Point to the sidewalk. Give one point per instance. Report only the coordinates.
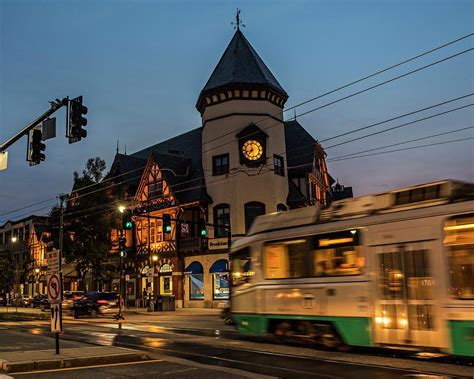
(20, 352)
(178, 312)
(21, 361)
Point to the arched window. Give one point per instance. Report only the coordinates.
(252, 210)
(281, 208)
(220, 279)
(196, 280)
(221, 217)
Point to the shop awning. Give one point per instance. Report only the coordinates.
(220, 266)
(194, 268)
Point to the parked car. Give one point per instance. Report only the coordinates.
(3, 298)
(96, 303)
(36, 300)
(22, 301)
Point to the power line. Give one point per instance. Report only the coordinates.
(404, 149)
(401, 143)
(352, 95)
(401, 126)
(354, 82)
(310, 100)
(395, 118)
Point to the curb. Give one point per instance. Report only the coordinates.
(48, 364)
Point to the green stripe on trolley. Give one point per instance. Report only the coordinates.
(355, 331)
(462, 337)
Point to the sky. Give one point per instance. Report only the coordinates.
(140, 66)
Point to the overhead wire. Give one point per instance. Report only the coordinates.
(313, 99)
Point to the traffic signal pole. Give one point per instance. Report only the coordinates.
(55, 105)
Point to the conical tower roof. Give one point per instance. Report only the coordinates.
(240, 66)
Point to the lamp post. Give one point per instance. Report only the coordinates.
(154, 259)
(37, 271)
(119, 316)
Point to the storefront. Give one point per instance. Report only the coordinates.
(206, 281)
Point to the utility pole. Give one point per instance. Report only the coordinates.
(62, 198)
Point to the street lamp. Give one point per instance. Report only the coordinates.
(119, 316)
(14, 239)
(154, 259)
(37, 271)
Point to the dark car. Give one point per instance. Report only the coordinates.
(22, 301)
(36, 300)
(3, 298)
(96, 303)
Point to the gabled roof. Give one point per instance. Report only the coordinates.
(240, 64)
(179, 159)
(299, 148)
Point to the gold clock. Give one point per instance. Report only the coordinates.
(252, 150)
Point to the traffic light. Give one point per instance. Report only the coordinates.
(166, 223)
(76, 120)
(122, 243)
(202, 227)
(127, 222)
(36, 147)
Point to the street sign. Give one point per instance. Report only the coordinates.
(54, 288)
(56, 318)
(53, 261)
(49, 128)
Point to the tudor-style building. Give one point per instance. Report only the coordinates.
(244, 161)
(23, 243)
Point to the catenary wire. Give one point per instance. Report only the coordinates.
(315, 98)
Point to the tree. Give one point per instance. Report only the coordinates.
(89, 217)
(7, 273)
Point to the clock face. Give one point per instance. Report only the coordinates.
(252, 150)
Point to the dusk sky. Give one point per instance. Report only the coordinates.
(140, 66)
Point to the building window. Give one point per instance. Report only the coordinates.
(155, 189)
(220, 279)
(252, 210)
(221, 217)
(195, 273)
(166, 280)
(220, 164)
(281, 208)
(278, 165)
(221, 285)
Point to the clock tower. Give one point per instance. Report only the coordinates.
(243, 137)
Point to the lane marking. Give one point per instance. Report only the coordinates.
(85, 367)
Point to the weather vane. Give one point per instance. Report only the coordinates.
(238, 22)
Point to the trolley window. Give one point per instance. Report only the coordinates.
(336, 254)
(285, 259)
(459, 240)
(241, 267)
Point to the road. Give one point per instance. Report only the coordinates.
(182, 351)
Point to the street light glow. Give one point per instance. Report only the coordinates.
(121, 208)
(154, 258)
(14, 239)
